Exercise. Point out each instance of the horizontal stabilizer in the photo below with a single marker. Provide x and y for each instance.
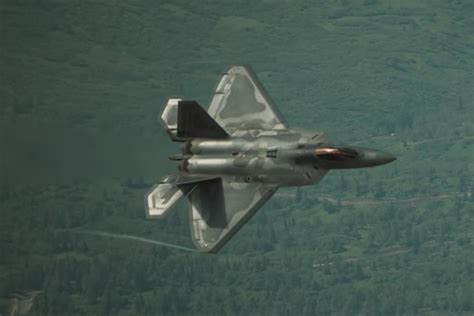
(160, 199)
(169, 118)
(163, 196)
(194, 122)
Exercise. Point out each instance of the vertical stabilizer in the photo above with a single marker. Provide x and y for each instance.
(186, 120)
(195, 122)
(162, 197)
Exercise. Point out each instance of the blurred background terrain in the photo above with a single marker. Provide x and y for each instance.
(82, 84)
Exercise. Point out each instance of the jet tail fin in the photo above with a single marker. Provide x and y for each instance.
(185, 120)
(194, 122)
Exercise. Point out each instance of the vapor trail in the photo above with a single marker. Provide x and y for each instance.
(130, 237)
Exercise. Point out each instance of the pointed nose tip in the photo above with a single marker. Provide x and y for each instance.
(382, 158)
(372, 157)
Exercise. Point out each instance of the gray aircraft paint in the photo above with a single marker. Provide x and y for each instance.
(227, 179)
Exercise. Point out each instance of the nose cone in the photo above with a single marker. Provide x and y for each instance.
(373, 157)
(332, 157)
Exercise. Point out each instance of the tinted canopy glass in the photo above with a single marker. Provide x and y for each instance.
(335, 154)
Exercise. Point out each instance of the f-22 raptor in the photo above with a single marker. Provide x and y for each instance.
(237, 154)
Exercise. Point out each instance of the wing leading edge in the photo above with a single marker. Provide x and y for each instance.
(240, 102)
(219, 208)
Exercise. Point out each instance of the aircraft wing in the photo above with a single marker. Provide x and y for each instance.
(240, 102)
(219, 208)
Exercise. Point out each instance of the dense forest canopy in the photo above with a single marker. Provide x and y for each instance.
(82, 83)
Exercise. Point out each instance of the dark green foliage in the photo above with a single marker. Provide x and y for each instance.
(81, 85)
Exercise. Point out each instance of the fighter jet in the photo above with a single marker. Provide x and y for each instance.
(237, 154)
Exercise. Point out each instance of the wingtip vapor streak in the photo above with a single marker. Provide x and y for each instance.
(237, 154)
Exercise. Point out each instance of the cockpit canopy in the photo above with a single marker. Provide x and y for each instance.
(335, 153)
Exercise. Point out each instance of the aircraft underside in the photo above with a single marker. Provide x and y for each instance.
(237, 154)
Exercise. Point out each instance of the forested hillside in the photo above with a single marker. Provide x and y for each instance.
(81, 86)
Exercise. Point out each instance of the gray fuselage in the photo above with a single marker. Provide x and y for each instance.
(278, 157)
(285, 158)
